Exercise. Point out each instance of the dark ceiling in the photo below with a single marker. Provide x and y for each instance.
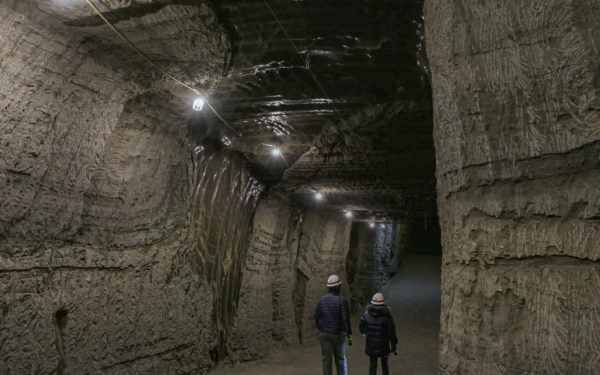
(361, 54)
(361, 132)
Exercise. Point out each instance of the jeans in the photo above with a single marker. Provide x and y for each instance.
(385, 366)
(333, 344)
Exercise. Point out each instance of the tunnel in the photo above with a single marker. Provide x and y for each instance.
(179, 179)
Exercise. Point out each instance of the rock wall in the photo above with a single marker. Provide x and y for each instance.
(98, 194)
(57, 107)
(129, 242)
(359, 264)
(374, 257)
(292, 253)
(386, 253)
(517, 129)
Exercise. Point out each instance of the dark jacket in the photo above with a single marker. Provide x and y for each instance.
(332, 314)
(377, 323)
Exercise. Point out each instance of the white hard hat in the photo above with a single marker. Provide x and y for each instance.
(333, 281)
(378, 299)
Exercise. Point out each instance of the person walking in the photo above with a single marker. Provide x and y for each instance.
(377, 325)
(332, 317)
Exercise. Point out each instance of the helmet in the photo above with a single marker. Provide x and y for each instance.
(333, 280)
(378, 299)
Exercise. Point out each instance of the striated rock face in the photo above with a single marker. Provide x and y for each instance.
(292, 253)
(517, 124)
(108, 258)
(58, 108)
(374, 256)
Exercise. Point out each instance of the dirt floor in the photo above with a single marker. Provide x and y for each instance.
(414, 296)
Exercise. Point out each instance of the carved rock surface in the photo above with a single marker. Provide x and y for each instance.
(517, 124)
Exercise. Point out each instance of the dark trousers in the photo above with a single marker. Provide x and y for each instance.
(385, 366)
(333, 345)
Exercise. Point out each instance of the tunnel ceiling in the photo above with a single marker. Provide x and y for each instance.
(362, 134)
(367, 113)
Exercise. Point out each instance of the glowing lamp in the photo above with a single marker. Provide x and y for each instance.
(319, 196)
(276, 151)
(348, 214)
(383, 225)
(198, 104)
(372, 225)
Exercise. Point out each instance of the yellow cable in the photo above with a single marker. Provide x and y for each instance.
(285, 161)
(156, 65)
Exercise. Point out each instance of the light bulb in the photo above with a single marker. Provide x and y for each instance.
(319, 196)
(348, 213)
(383, 225)
(276, 151)
(198, 104)
(372, 225)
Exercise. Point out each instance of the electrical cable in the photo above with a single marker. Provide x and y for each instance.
(285, 161)
(156, 65)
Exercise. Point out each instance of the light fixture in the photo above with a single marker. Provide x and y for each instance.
(348, 213)
(383, 225)
(198, 104)
(276, 151)
(226, 141)
(319, 196)
(372, 225)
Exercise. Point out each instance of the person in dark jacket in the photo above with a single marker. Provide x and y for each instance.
(378, 326)
(332, 317)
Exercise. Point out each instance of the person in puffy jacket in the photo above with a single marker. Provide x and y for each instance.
(332, 317)
(378, 326)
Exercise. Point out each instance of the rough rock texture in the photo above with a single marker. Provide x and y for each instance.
(184, 37)
(99, 270)
(164, 304)
(517, 124)
(57, 109)
(386, 254)
(133, 238)
(374, 256)
(292, 253)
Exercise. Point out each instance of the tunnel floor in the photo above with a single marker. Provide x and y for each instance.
(414, 296)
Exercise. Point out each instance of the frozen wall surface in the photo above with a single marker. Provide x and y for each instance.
(517, 123)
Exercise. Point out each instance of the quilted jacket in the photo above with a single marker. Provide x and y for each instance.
(332, 314)
(377, 323)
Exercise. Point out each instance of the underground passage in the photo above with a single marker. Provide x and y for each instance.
(297, 187)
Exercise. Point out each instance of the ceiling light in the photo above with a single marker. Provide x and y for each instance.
(348, 213)
(276, 151)
(372, 225)
(319, 196)
(198, 104)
